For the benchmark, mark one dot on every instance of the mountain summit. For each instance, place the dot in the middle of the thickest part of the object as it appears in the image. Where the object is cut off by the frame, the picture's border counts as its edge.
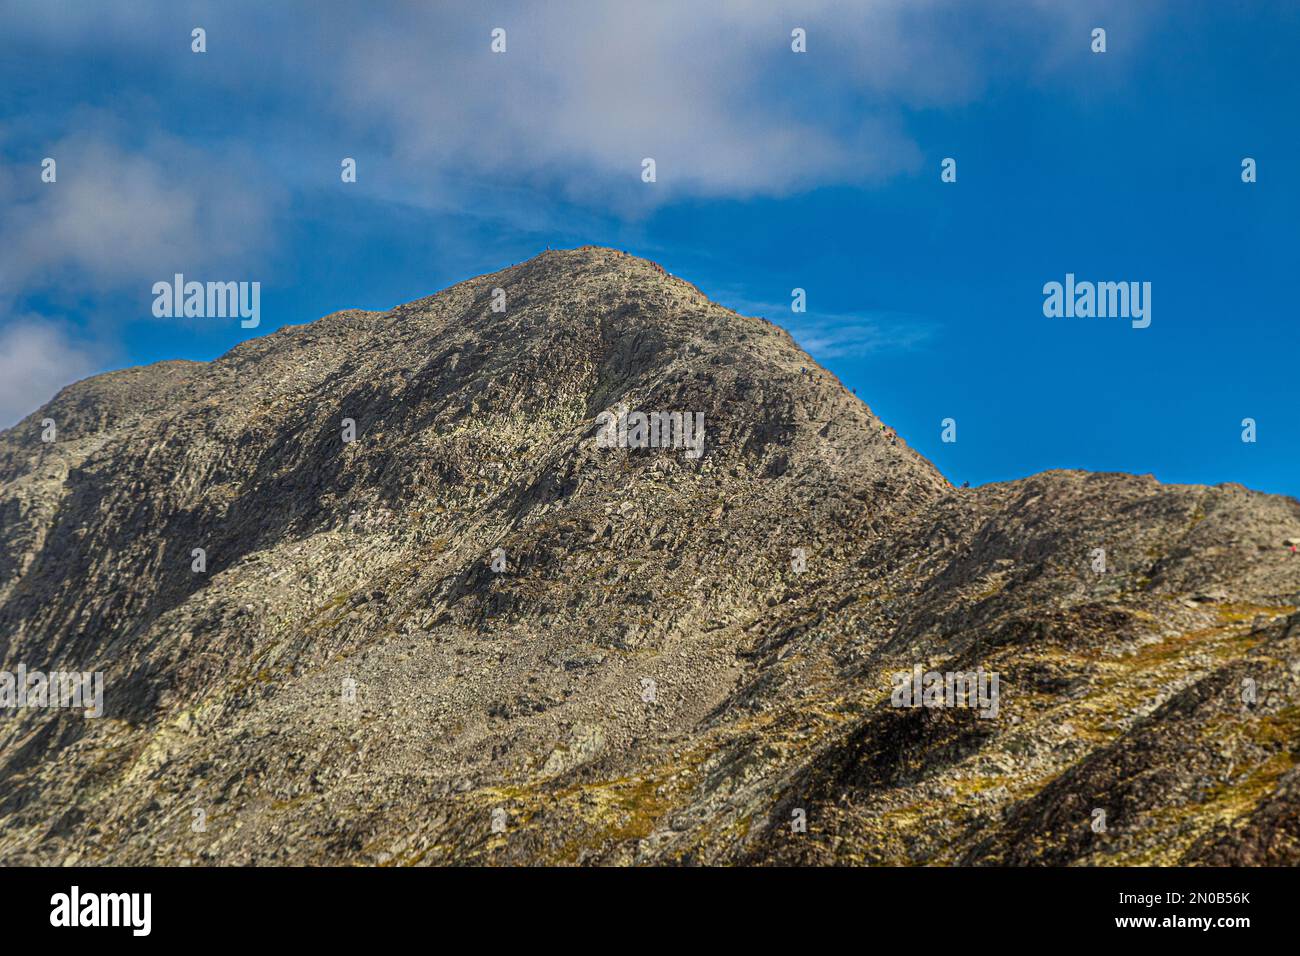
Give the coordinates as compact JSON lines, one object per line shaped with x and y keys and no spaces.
{"x":377,"y":589}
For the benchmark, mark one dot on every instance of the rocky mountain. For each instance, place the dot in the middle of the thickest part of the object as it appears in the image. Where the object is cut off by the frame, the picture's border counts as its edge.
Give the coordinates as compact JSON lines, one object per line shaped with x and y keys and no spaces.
{"x":474,"y":634}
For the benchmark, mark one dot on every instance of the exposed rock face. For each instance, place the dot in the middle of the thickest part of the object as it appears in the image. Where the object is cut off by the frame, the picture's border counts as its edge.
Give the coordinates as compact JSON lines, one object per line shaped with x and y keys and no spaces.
{"x":650,"y":679}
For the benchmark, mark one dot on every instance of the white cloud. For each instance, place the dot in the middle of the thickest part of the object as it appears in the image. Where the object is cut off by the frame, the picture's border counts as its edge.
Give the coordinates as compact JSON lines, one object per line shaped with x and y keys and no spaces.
{"x":711,"y":91}
{"x":587,"y":89}
{"x":37,"y":358}
{"x":581,"y":99}
{"x":117,"y":217}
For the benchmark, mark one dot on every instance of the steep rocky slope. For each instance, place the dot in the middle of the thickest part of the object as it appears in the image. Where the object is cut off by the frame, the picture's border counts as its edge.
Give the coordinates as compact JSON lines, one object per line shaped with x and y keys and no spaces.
{"x":652,"y":677}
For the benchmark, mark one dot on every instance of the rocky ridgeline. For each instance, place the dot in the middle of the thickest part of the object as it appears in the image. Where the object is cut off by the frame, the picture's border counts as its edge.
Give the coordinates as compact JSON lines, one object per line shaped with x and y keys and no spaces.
{"x":474,"y":635}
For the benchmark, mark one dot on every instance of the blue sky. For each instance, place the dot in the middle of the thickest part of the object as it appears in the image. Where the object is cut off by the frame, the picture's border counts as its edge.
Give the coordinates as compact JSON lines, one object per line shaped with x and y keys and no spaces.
{"x":776,"y":170}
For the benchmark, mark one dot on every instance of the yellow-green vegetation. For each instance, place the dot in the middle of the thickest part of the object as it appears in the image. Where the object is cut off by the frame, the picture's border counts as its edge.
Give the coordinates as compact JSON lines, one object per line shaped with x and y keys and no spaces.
{"x":1170,"y":831}
{"x":1119,"y":686}
{"x":600,"y":813}
{"x":1232,"y":613}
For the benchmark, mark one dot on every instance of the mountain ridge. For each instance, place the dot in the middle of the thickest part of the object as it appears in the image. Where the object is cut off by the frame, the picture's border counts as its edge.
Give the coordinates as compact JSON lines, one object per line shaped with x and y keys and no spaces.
{"x":522,"y":691}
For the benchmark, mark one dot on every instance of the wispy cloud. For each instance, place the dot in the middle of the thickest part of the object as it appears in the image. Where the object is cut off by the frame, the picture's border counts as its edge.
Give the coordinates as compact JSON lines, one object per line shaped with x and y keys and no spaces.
{"x":836,"y":335}
{"x":849,"y":336}
{"x":38,"y":357}
{"x":118,"y":215}
{"x":586,"y":90}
